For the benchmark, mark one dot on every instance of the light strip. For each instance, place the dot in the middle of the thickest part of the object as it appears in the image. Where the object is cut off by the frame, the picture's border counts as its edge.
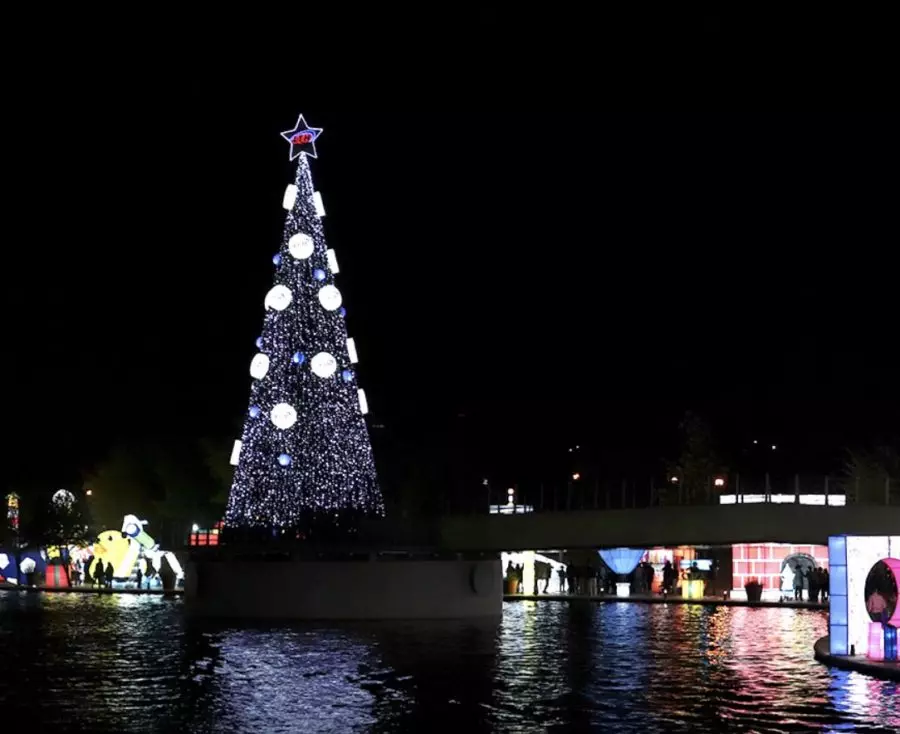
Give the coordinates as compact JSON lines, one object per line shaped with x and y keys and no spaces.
{"x":317,"y":201}
{"x":290,"y":197}
{"x":332,"y":261}
{"x":351,"y":350}
{"x":363,"y":403}
{"x":235,"y":453}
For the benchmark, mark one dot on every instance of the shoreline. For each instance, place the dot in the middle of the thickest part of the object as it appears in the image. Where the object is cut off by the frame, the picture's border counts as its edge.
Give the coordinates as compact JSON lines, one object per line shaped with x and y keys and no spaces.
{"x":91,"y":590}
{"x":856,"y":664}
{"x":647,"y":599}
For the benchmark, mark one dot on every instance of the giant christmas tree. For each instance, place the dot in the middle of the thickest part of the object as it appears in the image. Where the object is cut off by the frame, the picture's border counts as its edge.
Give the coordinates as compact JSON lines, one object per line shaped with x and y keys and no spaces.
{"x":304,"y":457}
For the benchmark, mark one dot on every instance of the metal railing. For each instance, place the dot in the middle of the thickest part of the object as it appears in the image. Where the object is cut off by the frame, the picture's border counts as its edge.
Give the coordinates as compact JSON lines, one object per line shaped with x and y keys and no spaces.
{"x":734,"y":489}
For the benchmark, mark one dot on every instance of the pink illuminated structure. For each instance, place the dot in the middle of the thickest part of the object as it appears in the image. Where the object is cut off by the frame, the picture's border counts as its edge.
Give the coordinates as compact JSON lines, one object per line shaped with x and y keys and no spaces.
{"x":876,"y":641}
{"x":764,"y":561}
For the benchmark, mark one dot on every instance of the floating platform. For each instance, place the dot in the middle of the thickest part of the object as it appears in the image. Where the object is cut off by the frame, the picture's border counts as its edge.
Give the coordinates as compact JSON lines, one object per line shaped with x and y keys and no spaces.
{"x":380,"y":585}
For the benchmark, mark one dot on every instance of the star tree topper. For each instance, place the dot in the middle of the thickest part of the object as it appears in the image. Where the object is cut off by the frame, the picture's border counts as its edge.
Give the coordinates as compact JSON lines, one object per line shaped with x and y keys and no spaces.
{"x":302,"y":139}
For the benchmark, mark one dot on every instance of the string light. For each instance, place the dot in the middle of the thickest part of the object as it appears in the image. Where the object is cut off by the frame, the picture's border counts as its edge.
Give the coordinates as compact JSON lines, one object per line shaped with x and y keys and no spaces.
{"x":313,"y":457}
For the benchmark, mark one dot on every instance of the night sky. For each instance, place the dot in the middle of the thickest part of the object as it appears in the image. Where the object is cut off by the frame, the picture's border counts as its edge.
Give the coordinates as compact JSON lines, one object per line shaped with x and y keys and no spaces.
{"x":515,"y":248}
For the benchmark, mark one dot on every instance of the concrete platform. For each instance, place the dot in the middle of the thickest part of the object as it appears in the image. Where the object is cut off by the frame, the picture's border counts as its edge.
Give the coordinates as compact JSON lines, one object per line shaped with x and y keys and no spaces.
{"x":656,"y":599}
{"x":90,"y":590}
{"x":857,"y":663}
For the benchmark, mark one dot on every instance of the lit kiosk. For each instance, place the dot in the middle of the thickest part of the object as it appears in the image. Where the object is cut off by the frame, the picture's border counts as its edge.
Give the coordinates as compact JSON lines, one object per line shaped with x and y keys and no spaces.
{"x":865,"y":610}
{"x":305,"y":535}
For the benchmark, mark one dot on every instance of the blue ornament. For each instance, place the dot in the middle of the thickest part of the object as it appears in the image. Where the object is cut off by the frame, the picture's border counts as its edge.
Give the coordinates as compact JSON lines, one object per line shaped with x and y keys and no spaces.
{"x":284,"y":459}
{"x":298,"y":358}
{"x":259,"y":342}
{"x":347,"y":375}
{"x":254,"y":411}
{"x":319,"y":274}
{"x":342,"y":311}
{"x":276,"y":258}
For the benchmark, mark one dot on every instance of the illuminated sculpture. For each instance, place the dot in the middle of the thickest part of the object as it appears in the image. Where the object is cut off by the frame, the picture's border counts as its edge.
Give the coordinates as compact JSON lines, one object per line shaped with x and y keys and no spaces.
{"x":12,"y":510}
{"x":622,"y":561}
{"x":304,"y":454}
{"x":853,"y":607}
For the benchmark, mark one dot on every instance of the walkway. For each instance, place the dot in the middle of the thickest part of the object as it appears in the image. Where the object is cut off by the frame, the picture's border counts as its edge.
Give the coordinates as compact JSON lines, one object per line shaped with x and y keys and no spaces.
{"x":857,"y":663}
{"x":91,"y":590}
{"x":657,"y":599}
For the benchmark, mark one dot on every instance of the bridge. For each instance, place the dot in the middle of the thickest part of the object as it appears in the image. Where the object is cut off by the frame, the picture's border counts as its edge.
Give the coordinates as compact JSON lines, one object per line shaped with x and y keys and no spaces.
{"x":666,"y":526}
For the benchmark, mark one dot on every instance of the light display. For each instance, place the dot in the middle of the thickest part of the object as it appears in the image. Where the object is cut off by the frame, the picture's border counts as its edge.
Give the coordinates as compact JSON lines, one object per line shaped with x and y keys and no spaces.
{"x":319,"y":204}
{"x":772,"y":565}
{"x":12,"y":510}
{"x":330,"y":298}
{"x":279,"y":298}
{"x":301,"y":246}
{"x":259,"y":366}
{"x":323,"y":365}
{"x":351,"y":350}
{"x":290,"y":197}
{"x":313,"y":459}
{"x":851,"y":559}
{"x":302,"y":139}
{"x":284,"y":416}
{"x":63,"y":499}
{"x":622,"y":560}
{"x":331,"y":259}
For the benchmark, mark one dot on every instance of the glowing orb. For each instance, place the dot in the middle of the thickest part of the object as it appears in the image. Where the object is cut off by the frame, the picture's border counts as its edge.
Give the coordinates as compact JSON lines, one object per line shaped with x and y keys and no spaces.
{"x":323,"y":365}
{"x":283,"y":416}
{"x":330,"y":298}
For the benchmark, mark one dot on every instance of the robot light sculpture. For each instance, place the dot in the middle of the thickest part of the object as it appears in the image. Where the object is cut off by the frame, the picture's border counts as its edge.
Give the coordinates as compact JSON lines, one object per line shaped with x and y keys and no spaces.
{"x":134,"y":529}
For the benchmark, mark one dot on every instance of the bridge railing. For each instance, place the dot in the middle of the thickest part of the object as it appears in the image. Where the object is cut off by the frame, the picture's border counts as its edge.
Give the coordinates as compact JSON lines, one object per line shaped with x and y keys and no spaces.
{"x":734,"y":489}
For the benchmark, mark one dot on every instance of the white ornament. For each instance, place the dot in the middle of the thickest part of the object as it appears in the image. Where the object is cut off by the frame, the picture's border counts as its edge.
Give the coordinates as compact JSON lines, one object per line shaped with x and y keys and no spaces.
{"x":290,"y":197}
{"x":283,"y":416}
{"x":363,"y":403}
{"x":331,"y":258}
{"x":4,"y":561}
{"x":235,"y":453}
{"x":351,"y":350}
{"x":319,"y":204}
{"x":330,"y":298}
{"x":63,"y":498}
{"x":279,"y":298}
{"x":259,"y":365}
{"x":301,"y":246}
{"x":323,"y":364}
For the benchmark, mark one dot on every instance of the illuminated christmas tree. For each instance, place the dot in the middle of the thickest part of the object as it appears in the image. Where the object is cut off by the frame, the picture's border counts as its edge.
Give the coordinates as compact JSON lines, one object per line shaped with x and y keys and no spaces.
{"x":304,"y":458}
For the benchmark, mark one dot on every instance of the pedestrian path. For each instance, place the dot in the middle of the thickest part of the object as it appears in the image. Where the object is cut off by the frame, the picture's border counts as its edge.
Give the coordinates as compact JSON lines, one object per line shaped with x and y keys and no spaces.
{"x":90,"y":590}
{"x":858,"y":663}
{"x":658,"y":599}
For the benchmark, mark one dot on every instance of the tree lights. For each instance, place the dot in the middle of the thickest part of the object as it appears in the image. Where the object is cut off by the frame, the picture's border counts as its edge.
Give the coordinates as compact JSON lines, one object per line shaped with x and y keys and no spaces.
{"x":312,"y":460}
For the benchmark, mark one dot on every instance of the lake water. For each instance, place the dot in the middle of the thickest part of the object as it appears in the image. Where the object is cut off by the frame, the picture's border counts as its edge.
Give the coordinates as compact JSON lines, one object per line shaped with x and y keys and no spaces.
{"x":133,"y":664}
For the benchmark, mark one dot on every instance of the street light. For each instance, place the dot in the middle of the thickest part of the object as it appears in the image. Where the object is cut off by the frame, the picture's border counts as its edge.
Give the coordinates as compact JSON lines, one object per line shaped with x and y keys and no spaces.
{"x":719,"y":482}
{"x":195,"y":528}
{"x":89,"y":492}
{"x":576,"y":476}
{"x":674,"y":480}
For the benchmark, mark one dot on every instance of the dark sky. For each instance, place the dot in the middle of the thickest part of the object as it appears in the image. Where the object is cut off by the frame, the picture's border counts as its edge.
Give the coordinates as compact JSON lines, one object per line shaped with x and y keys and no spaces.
{"x":559,"y":246}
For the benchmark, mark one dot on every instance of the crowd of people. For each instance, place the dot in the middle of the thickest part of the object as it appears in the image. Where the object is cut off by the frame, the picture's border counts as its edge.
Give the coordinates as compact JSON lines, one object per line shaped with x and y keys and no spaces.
{"x":816,"y":580}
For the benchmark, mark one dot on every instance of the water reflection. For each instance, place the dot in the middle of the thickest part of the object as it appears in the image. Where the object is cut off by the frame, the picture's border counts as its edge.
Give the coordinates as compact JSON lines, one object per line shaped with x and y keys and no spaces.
{"x":129,"y":663}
